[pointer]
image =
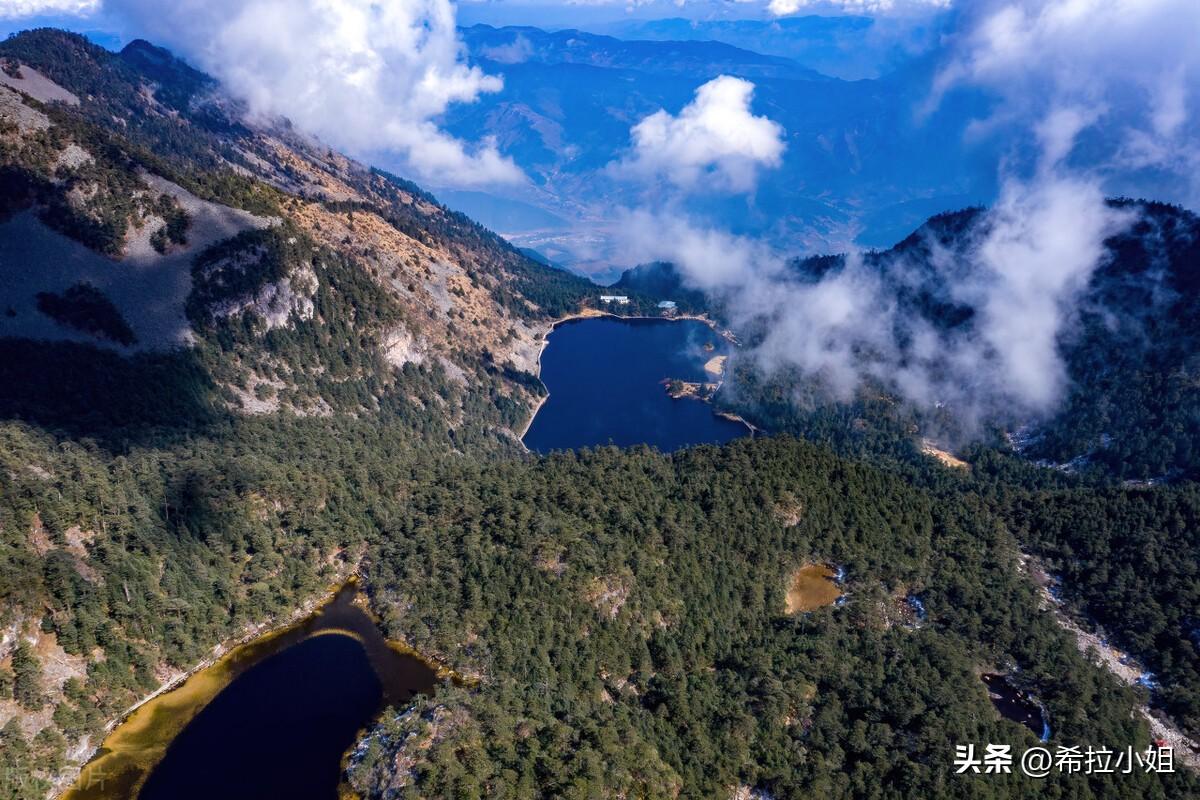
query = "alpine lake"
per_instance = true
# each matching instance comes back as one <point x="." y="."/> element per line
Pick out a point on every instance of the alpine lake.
<point x="271" y="718"/>
<point x="628" y="382"/>
<point x="275" y="717"/>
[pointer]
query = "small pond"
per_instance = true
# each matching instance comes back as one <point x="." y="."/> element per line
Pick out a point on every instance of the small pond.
<point x="1017" y="706"/>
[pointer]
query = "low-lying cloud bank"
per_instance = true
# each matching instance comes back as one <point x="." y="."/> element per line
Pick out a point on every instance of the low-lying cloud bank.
<point x="367" y="77"/>
<point x="1098" y="85"/>
<point x="1016" y="271"/>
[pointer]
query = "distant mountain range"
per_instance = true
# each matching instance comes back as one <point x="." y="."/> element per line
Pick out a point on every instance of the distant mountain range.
<point x="858" y="166"/>
<point x="850" y="47"/>
<point x="863" y="165"/>
<point x="690" y="58"/>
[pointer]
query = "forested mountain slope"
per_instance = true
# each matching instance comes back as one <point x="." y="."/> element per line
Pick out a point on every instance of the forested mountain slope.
<point x="629" y="608"/>
<point x="1124" y="558"/>
<point x="186" y="298"/>
<point x="342" y="284"/>
<point x="1131" y="407"/>
<point x="236" y="367"/>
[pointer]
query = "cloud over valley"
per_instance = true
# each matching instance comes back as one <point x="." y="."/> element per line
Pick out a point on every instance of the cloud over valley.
<point x="715" y="142"/>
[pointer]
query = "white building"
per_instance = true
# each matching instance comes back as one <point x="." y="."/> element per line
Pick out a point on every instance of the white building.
<point x="619" y="299"/>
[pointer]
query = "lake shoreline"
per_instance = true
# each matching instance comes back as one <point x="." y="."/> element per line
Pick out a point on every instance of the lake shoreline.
<point x="592" y="313"/>
<point x="262" y="640"/>
<point x="68" y="781"/>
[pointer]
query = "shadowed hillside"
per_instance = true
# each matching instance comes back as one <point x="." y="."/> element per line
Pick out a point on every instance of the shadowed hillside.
<point x="237" y="368"/>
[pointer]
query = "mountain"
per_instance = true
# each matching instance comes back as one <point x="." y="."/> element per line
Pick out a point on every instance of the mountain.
<point x="846" y="46"/>
<point x="865" y="160"/>
<point x="247" y="242"/>
<point x="528" y="45"/>
<point x="227" y="306"/>
<point x="237" y="368"/>
<point x="855" y="150"/>
<point x="660" y="281"/>
<point x="1130" y="409"/>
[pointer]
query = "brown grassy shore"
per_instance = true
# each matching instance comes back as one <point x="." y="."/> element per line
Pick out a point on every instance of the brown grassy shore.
<point x="137" y="741"/>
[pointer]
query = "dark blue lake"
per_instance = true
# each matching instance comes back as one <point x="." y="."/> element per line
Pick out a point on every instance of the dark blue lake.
<point x="607" y="386"/>
<point x="281" y="727"/>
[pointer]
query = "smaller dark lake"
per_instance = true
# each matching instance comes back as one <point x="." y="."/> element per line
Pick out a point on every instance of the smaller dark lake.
<point x="281" y="727"/>
<point x="1016" y="705"/>
<point x="606" y="381"/>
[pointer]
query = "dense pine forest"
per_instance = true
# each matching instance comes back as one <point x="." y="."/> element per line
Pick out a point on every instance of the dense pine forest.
<point x="623" y="610"/>
<point x="345" y="405"/>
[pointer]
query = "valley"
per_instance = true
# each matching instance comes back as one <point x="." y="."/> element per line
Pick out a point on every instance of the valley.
<point x="312" y="486"/>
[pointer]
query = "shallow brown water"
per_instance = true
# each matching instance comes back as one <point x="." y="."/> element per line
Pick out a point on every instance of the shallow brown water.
<point x="274" y="715"/>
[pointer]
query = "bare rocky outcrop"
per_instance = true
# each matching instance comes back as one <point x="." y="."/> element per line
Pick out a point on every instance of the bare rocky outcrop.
<point x="72" y="157"/>
<point x="608" y="594"/>
<point x="26" y="119"/>
<point x="400" y="347"/>
<point x="789" y="510"/>
<point x="33" y="83"/>
<point x="945" y="457"/>
<point x="275" y="303"/>
<point x="57" y="667"/>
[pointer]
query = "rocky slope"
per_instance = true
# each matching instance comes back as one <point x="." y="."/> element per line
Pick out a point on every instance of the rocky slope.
<point x="174" y="277"/>
<point x="121" y="169"/>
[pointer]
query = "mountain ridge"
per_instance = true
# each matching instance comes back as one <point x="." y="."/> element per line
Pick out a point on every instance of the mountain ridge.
<point x="181" y="151"/>
<point x="358" y="357"/>
<point x="524" y="43"/>
<point x="1129" y="353"/>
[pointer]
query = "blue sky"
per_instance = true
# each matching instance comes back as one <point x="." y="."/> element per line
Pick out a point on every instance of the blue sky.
<point x="112" y="30"/>
<point x="1097" y="95"/>
<point x="375" y="77"/>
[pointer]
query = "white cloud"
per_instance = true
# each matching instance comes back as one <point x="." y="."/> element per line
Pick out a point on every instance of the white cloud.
<point x="1132" y="65"/>
<point x="1057" y="132"/>
<point x="1122" y="75"/>
<point x="715" y="141"/>
<point x="1080" y="47"/>
<point x="364" y="76"/>
<point x="515" y="52"/>
<point x="1020" y="268"/>
<point x="1042" y="240"/>
<point x="714" y="260"/>
<point x="10" y="9"/>
<point x="783" y="8"/>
